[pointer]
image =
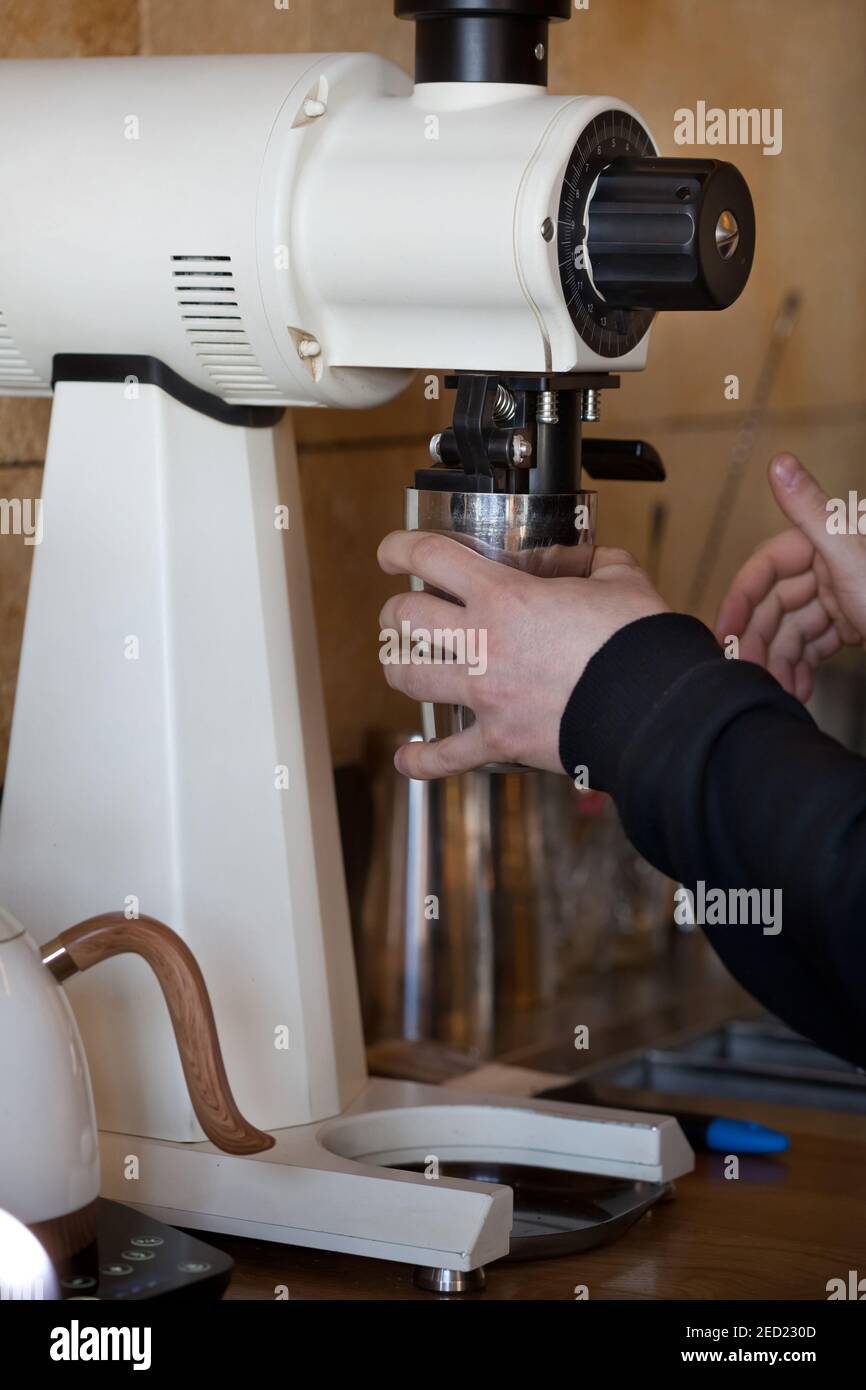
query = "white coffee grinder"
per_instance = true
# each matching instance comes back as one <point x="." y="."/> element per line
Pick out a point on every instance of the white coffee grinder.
<point x="189" y="246"/>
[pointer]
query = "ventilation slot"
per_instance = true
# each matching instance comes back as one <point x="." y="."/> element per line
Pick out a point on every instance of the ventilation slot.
<point x="210" y="311"/>
<point x="16" y="374"/>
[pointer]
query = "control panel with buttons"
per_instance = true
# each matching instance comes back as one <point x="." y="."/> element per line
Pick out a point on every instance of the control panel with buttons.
<point x="135" y="1257"/>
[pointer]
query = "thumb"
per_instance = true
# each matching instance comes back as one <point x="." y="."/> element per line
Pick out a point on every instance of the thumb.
<point x="801" y="498"/>
<point x="804" y="502"/>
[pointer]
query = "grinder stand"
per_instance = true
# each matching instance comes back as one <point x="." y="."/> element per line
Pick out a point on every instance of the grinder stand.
<point x="169" y="756"/>
<point x="343" y="1184"/>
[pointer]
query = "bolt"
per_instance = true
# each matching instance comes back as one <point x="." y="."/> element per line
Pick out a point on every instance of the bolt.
<point x="521" y="449"/>
<point x="435" y="447"/>
<point x="539" y="51"/>
<point x="547" y="412"/>
<point x="308" y="347"/>
<point x="547" y="229"/>
<point x="591" y="406"/>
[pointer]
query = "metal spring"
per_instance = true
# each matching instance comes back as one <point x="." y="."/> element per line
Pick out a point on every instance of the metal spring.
<point x="504" y="406"/>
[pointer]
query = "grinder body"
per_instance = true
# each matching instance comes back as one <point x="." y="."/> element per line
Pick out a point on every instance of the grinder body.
<point x="192" y="210"/>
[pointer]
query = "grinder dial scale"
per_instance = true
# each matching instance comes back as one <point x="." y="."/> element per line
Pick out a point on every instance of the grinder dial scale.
<point x="173" y="294"/>
<point x="611" y="332"/>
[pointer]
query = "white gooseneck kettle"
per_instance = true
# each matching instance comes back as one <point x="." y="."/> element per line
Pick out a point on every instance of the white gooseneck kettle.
<point x="49" y="1154"/>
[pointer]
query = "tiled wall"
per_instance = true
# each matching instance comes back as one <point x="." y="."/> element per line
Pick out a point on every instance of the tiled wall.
<point x="803" y="56"/>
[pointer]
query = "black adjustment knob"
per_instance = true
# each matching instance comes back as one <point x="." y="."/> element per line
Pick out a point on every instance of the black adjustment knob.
<point x="670" y="233"/>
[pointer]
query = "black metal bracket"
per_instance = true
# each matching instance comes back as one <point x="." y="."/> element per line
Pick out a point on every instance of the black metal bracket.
<point x="501" y="440"/>
<point x="152" y="371"/>
<point x="473" y="430"/>
<point x="622" y="460"/>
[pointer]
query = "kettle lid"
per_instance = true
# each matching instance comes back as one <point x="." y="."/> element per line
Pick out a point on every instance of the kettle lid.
<point x="9" y="926"/>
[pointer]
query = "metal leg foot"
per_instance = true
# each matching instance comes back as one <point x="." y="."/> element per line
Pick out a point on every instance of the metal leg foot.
<point x="450" y="1281"/>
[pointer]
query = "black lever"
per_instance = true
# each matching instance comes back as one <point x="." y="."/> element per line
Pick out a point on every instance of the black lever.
<point x="622" y="460"/>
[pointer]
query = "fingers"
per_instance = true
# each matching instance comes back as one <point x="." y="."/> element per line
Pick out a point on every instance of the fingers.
<point x="791" y="602"/>
<point x="800" y="627"/>
<point x="790" y="607"/>
<point x="803" y="681"/>
<point x="787" y="657"/>
<point x="421" y="611"/>
<point x="804" y="639"/>
<point x="783" y="671"/>
<point x="426" y="652"/>
<point x="734" y="613"/>
<point x="834" y="596"/>
<point x="440" y="561"/>
<point x="823" y="647"/>
<point x="434" y="677"/>
<point x="606" y="558"/>
<point x="784" y="557"/>
<point x="775" y="635"/>
<point x="458" y="753"/>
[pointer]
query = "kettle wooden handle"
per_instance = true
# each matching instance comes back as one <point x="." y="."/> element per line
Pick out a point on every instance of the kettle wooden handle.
<point x="189" y="1007"/>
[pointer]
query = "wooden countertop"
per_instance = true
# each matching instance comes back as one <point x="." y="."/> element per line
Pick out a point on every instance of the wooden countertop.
<point x="781" y="1230"/>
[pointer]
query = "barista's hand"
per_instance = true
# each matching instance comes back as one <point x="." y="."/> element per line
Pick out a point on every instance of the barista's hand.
<point x="535" y="636"/>
<point x="802" y="595"/>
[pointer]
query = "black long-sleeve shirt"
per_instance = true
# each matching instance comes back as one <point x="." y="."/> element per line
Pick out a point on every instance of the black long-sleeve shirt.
<point x="723" y="779"/>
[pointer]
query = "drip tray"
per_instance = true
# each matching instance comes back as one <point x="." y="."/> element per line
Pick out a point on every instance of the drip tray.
<point x="557" y="1212"/>
<point x="759" y="1060"/>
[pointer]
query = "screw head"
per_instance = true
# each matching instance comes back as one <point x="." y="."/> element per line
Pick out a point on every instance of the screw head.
<point x="727" y="235"/>
<point x="547" y="229"/>
<point x="521" y="449"/>
<point x="539" y="51"/>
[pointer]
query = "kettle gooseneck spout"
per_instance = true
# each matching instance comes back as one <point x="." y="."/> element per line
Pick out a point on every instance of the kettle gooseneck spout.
<point x="189" y="1007"/>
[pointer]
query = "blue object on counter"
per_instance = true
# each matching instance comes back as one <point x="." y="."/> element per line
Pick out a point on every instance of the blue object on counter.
<point x="721" y="1135"/>
<point x="713" y="1133"/>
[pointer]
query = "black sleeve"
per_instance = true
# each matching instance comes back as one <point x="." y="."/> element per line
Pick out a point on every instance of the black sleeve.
<point x="723" y="780"/>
